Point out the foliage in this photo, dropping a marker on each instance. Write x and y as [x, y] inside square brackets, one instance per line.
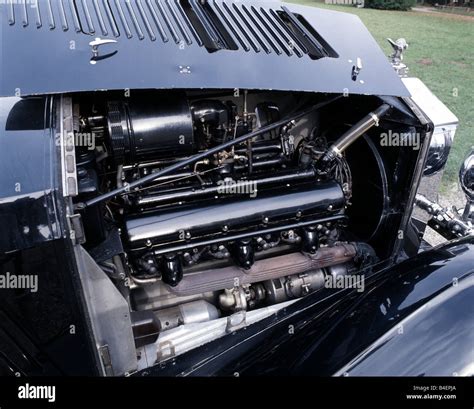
[402, 5]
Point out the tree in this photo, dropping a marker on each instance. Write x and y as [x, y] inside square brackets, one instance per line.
[390, 4]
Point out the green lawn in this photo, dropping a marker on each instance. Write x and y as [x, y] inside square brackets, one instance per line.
[440, 53]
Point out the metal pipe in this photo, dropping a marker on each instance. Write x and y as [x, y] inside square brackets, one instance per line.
[191, 224]
[370, 120]
[354, 133]
[175, 176]
[263, 270]
[262, 163]
[245, 235]
[191, 160]
[262, 146]
[212, 190]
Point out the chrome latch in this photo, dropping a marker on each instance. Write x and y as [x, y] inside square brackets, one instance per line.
[95, 49]
[356, 68]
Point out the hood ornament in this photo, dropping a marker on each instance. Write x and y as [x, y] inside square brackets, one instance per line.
[95, 44]
[396, 58]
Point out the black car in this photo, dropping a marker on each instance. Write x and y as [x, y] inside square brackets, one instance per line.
[223, 188]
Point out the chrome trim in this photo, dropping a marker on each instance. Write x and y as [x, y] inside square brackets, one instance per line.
[466, 176]
[67, 147]
[444, 125]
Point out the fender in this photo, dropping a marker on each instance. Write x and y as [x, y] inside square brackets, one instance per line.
[39, 328]
[29, 174]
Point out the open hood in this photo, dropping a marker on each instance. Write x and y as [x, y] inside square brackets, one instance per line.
[187, 44]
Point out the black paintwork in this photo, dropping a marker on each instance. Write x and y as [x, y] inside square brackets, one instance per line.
[144, 126]
[60, 60]
[331, 333]
[28, 174]
[413, 319]
[43, 332]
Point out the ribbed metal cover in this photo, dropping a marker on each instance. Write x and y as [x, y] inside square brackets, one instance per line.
[215, 25]
[95, 45]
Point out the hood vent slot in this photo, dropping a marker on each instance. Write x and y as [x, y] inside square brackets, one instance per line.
[209, 27]
[216, 25]
[317, 47]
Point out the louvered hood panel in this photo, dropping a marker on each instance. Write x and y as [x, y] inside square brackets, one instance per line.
[46, 47]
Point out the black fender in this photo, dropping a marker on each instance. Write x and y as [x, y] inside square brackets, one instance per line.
[42, 332]
[29, 174]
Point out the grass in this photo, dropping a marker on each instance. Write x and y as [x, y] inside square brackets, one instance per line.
[462, 11]
[440, 53]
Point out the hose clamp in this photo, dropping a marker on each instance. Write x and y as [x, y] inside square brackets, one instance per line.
[375, 118]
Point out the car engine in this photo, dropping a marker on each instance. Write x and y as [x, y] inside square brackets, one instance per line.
[204, 206]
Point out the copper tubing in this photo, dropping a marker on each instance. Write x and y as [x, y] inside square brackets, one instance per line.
[262, 270]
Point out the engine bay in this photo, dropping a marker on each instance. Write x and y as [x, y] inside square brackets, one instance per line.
[210, 210]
